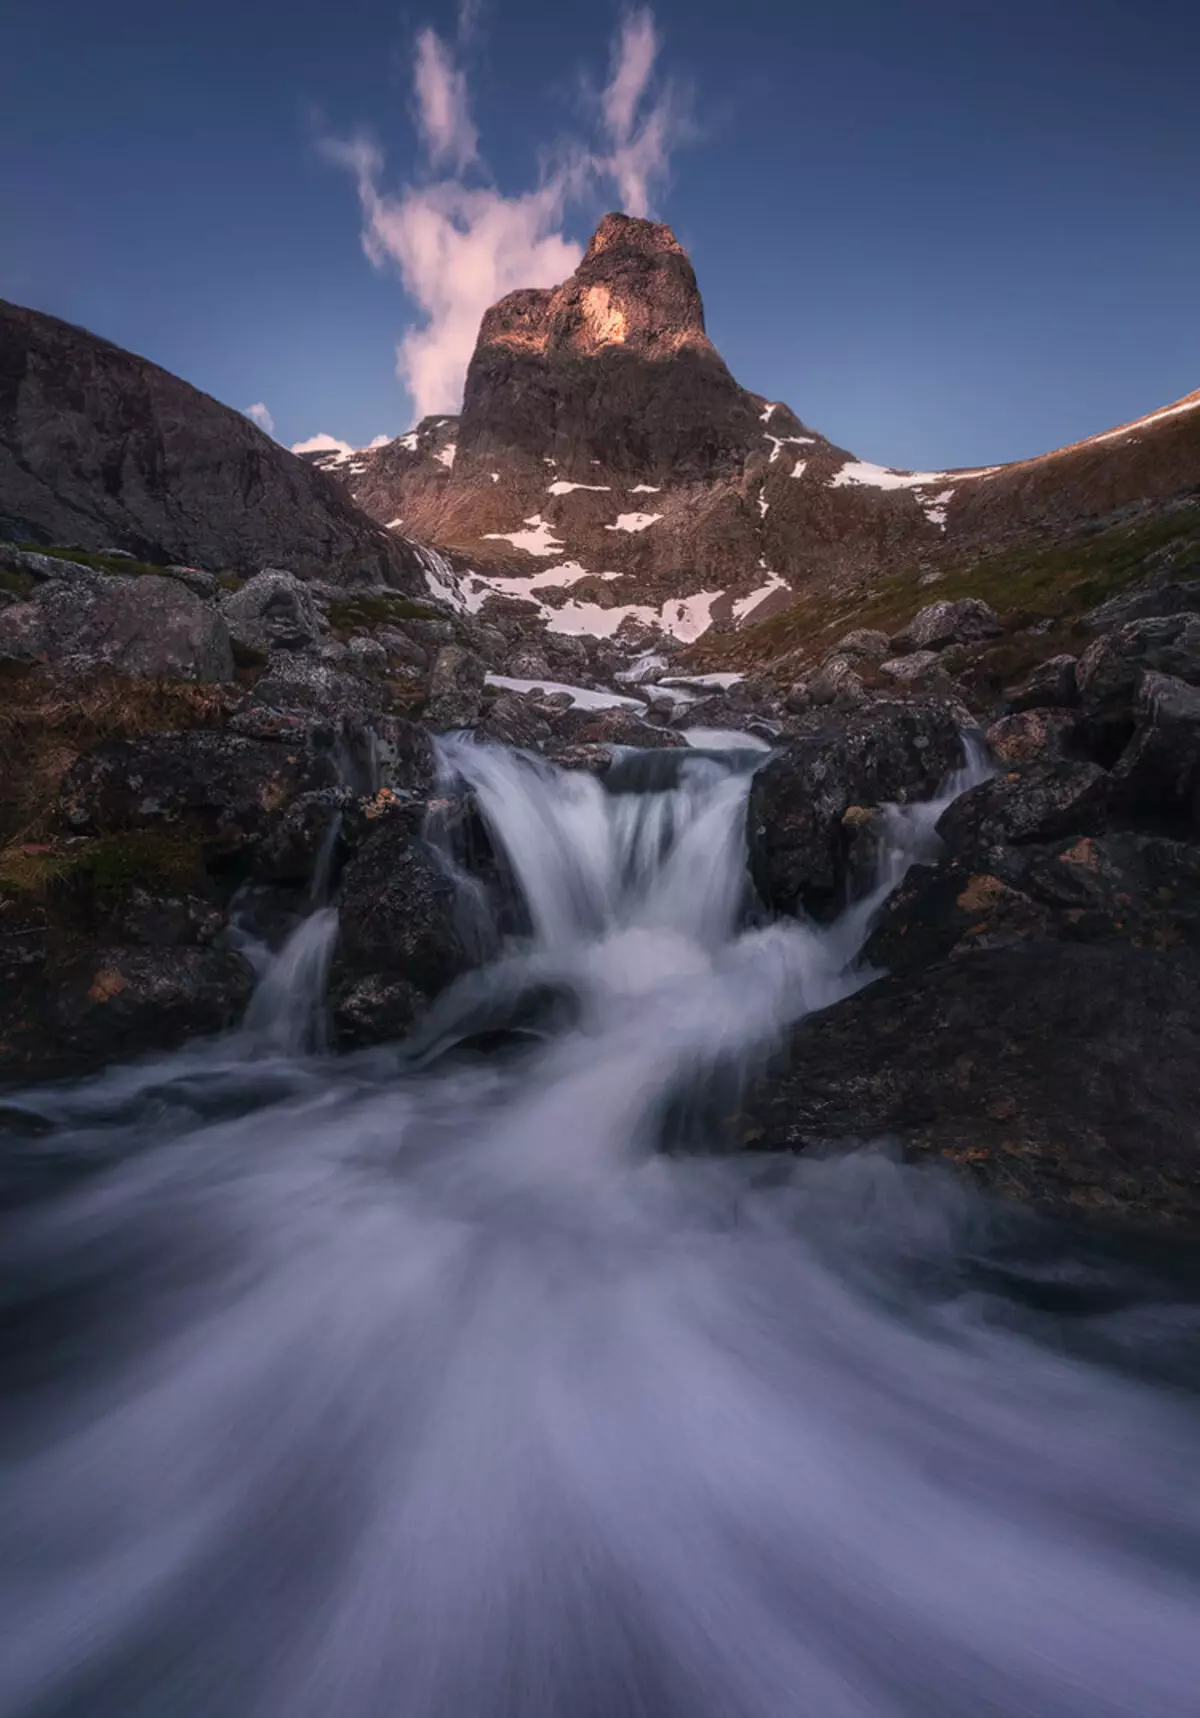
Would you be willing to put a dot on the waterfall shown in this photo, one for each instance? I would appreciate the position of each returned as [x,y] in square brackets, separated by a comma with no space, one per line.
[429,1385]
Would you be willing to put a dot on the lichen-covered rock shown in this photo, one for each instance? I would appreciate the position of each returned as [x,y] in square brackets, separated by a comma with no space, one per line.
[967,621]
[455,689]
[922,669]
[1038,801]
[510,720]
[1173,596]
[526,662]
[273,611]
[883,752]
[864,642]
[1029,734]
[223,791]
[114,1002]
[836,681]
[149,626]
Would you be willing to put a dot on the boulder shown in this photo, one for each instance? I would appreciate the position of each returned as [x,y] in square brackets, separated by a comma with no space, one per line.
[1110,672]
[1175,596]
[401,648]
[512,720]
[151,627]
[1038,801]
[1121,886]
[528,663]
[219,790]
[1031,734]
[836,681]
[922,668]
[865,643]
[366,655]
[968,621]
[455,689]
[273,611]
[1050,686]
[1063,1074]
[115,1002]
[881,753]
[398,937]
[1157,777]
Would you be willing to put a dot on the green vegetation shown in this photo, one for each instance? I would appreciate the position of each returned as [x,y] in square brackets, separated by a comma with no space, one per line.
[1027,586]
[15,583]
[108,866]
[352,614]
[98,563]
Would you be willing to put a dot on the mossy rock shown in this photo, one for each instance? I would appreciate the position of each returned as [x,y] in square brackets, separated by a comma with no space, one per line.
[351,614]
[108,866]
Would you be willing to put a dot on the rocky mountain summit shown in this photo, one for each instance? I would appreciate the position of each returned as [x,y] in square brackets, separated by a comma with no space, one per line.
[608,471]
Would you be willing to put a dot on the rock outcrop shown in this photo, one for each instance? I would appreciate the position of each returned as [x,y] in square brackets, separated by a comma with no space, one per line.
[104,449]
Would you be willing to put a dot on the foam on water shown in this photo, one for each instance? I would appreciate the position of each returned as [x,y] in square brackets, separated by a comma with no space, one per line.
[423,1382]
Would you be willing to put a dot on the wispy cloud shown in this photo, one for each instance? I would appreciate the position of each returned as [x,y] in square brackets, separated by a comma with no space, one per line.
[261,416]
[457,242]
[644,117]
[443,110]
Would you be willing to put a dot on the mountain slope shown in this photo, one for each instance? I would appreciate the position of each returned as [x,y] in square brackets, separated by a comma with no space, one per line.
[103,449]
[608,467]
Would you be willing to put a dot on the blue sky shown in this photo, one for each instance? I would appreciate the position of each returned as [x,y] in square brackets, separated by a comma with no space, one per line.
[945,233]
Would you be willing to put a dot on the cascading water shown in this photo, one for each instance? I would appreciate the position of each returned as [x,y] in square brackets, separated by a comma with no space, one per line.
[422,1385]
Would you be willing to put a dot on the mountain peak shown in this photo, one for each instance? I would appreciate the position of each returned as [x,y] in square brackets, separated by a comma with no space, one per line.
[635,289]
[649,238]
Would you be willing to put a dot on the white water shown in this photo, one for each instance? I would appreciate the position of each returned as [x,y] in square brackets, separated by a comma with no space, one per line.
[357,1388]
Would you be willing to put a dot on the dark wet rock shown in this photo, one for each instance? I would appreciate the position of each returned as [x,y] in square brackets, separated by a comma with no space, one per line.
[967,621]
[303,834]
[883,752]
[1110,672]
[1029,734]
[1050,686]
[154,920]
[432,634]
[300,684]
[1064,1074]
[376,1009]
[273,611]
[398,932]
[1157,777]
[112,1003]
[152,627]
[455,689]
[1121,886]
[221,790]
[1038,801]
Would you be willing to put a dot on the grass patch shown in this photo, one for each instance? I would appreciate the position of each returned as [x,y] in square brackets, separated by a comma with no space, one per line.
[351,614]
[1025,586]
[115,564]
[108,867]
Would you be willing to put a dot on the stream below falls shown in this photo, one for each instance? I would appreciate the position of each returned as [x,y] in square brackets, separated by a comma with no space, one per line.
[465,1379]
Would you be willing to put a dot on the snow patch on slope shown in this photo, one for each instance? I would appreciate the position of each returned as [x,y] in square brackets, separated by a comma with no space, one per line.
[633,521]
[560,486]
[538,540]
[582,697]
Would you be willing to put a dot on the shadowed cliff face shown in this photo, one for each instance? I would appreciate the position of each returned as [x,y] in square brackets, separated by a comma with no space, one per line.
[101,448]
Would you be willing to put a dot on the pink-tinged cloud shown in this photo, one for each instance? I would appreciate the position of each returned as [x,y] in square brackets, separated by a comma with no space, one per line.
[459,245]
